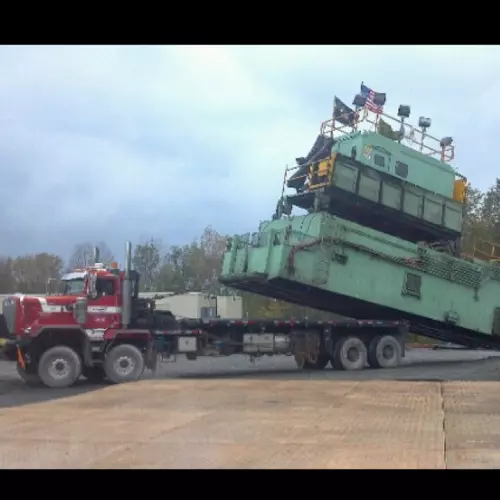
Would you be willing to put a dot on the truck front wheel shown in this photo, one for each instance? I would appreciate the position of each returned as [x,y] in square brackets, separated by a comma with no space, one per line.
[124,363]
[59,367]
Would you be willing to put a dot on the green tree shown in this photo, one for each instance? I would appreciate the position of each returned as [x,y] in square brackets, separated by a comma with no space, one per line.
[31,273]
[490,210]
[275,309]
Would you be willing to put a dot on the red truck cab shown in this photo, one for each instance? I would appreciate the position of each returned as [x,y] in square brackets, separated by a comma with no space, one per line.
[96,327]
[28,315]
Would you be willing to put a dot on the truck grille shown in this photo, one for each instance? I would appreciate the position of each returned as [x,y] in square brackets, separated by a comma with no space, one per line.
[9,313]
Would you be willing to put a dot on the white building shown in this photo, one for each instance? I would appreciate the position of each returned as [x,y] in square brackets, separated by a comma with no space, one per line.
[201,305]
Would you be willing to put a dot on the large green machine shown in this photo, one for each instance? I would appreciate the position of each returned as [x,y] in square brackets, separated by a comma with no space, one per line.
[381,236]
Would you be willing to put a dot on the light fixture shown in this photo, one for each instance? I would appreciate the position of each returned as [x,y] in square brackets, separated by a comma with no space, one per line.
[379,99]
[446,141]
[424,122]
[404,111]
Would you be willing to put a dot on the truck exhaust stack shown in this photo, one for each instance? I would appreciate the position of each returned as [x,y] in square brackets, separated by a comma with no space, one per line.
[127,287]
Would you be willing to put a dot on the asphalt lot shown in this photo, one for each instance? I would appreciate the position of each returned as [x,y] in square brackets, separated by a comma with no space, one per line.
[440,410]
[419,365]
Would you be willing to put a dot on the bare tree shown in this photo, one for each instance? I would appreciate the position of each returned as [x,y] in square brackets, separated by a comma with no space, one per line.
[83,255]
[7,283]
[146,261]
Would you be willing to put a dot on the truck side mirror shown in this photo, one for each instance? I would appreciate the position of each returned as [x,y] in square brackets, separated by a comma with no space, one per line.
[92,287]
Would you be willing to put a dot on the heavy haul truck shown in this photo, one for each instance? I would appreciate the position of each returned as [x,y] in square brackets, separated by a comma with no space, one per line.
[379,244]
[99,327]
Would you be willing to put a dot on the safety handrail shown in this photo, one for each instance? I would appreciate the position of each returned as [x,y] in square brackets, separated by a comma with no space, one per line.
[363,115]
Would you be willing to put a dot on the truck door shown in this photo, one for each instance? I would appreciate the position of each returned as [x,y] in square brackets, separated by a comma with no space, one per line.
[104,310]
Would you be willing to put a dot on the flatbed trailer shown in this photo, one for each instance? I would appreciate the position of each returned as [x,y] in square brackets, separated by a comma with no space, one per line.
[348,344]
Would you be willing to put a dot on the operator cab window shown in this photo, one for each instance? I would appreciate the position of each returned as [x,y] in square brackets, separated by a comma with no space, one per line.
[379,160]
[401,169]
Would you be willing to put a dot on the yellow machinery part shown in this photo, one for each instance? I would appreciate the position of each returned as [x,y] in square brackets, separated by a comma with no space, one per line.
[460,190]
[320,173]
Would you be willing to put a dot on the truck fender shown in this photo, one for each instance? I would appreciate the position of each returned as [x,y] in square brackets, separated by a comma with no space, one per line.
[63,332]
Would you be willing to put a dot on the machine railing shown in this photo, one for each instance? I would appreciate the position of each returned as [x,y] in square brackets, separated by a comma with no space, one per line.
[418,139]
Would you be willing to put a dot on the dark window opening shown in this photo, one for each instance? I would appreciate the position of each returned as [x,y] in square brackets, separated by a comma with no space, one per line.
[105,287]
[412,285]
[495,330]
[401,169]
[379,161]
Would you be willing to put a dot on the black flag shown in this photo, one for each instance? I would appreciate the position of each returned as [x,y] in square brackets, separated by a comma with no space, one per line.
[343,113]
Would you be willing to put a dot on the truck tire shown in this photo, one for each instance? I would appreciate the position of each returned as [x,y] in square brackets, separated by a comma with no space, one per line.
[349,354]
[384,352]
[124,363]
[59,367]
[94,374]
[31,379]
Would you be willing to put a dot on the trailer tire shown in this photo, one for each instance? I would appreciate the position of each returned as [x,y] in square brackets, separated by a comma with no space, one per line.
[94,374]
[384,352]
[59,367]
[124,363]
[349,354]
[31,379]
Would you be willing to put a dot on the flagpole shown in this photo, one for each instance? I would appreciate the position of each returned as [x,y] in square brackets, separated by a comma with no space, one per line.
[333,116]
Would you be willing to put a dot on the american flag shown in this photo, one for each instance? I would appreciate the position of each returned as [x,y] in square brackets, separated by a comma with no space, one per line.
[370,96]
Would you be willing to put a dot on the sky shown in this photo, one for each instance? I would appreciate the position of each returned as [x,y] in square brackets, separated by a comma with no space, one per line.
[117,143]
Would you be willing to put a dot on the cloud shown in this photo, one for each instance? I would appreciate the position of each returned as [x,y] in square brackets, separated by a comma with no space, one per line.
[114,143]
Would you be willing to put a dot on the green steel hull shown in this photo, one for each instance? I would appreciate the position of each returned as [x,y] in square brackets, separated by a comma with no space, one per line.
[322,261]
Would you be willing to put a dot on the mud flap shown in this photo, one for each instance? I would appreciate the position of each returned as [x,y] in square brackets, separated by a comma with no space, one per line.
[151,358]
[4,331]
[8,350]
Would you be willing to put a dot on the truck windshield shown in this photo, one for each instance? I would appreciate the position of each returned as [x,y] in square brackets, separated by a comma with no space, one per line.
[74,286]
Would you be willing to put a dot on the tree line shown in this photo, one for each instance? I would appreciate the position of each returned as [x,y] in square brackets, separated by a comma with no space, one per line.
[195,266]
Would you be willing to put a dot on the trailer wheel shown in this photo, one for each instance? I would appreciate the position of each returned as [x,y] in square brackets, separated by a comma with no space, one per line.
[124,363]
[94,374]
[31,379]
[384,352]
[59,367]
[349,354]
